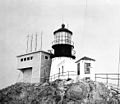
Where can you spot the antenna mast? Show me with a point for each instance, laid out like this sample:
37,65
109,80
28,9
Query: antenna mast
62,19
41,41
119,60
36,43
31,43
118,65
27,43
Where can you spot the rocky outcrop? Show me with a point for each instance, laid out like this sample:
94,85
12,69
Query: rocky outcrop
59,92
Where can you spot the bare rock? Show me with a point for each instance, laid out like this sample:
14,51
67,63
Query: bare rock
77,91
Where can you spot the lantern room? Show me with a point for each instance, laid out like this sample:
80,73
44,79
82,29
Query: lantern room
62,44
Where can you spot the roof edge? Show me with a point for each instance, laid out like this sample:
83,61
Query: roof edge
85,58
33,53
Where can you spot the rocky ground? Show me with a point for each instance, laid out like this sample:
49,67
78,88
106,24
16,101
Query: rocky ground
59,92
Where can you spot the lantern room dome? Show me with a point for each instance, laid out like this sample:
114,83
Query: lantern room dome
63,29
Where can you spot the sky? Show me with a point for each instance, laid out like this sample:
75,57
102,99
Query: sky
95,25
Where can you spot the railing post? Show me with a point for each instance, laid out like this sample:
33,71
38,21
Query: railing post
107,78
95,78
58,75
68,74
118,79
54,76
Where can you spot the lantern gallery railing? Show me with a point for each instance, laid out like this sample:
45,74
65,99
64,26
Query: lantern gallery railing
63,42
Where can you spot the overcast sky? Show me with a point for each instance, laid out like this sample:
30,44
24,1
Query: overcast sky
95,27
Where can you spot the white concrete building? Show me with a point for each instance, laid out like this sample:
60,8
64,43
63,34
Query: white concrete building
35,66
85,68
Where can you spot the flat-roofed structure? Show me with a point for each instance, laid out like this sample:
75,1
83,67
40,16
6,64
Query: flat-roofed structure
35,66
85,68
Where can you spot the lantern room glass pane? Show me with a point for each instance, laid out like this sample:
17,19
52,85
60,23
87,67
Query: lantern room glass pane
62,38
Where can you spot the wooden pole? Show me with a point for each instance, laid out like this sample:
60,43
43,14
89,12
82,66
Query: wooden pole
36,43
95,78
107,78
41,41
27,43
68,74
118,65
31,43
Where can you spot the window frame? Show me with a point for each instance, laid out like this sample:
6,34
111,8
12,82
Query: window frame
21,59
78,68
46,58
87,68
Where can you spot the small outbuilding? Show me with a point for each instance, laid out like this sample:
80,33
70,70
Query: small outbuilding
35,66
85,68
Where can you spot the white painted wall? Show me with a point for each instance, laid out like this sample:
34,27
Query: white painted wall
38,63
34,63
36,67
82,69
67,63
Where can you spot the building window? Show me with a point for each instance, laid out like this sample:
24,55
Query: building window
87,68
28,58
21,60
24,59
59,71
78,69
87,78
46,57
31,57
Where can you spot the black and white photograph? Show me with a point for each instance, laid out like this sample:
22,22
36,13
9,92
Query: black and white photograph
59,51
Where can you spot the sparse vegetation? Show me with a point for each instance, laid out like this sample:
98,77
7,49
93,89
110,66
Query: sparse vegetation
59,92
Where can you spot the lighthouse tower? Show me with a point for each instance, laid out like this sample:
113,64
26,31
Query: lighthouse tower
62,43
63,57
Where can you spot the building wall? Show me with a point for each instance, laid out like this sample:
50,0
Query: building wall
45,67
34,63
54,68
63,64
71,67
40,66
36,67
82,69
25,63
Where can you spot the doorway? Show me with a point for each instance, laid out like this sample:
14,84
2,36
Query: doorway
27,74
